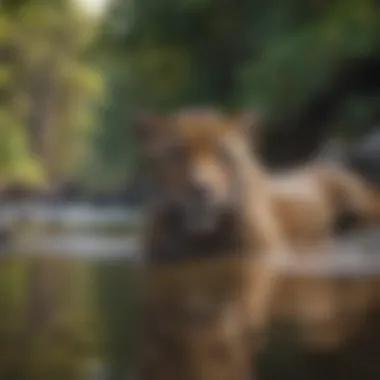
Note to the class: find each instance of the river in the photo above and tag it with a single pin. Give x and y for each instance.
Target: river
(69, 285)
(68, 290)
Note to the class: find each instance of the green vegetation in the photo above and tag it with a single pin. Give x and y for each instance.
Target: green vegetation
(49, 90)
(70, 84)
(309, 67)
(47, 322)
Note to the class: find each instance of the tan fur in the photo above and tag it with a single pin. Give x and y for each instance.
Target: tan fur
(222, 299)
(236, 294)
(309, 201)
(330, 310)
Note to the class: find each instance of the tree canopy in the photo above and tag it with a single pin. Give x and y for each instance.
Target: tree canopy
(49, 89)
(308, 67)
(68, 92)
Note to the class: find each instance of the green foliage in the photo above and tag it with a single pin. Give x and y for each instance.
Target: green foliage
(113, 154)
(118, 301)
(277, 56)
(299, 65)
(49, 89)
(16, 163)
(47, 321)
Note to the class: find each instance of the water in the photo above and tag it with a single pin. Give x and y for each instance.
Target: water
(69, 288)
(68, 291)
(77, 230)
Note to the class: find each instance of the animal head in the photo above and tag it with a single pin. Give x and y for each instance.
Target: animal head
(192, 166)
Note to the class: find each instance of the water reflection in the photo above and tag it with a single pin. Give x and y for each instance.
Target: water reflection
(64, 313)
(69, 296)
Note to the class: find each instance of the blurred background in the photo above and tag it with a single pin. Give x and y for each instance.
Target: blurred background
(72, 75)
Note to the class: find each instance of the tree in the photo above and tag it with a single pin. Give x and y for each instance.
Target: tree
(308, 67)
(50, 88)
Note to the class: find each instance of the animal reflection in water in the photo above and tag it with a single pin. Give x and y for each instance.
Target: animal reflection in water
(211, 234)
(216, 223)
(333, 313)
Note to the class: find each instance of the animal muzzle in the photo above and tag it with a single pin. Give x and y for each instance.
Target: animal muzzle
(200, 212)
(200, 220)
